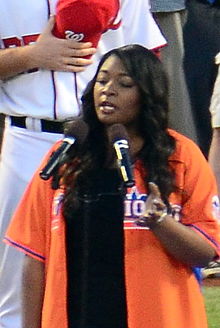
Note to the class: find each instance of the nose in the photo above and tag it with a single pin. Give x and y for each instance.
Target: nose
(109, 88)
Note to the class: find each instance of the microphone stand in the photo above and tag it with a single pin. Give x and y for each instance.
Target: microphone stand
(95, 255)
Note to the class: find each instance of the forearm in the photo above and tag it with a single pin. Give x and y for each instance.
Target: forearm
(32, 293)
(183, 243)
(14, 61)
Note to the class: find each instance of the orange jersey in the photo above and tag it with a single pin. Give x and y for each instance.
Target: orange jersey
(160, 291)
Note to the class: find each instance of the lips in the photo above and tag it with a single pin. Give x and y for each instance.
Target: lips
(107, 107)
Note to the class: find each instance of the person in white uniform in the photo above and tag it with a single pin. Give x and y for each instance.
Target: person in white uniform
(42, 79)
(171, 16)
(214, 151)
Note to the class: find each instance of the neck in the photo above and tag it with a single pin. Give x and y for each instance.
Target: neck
(136, 145)
(136, 142)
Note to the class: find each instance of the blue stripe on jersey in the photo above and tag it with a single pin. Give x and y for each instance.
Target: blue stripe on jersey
(23, 248)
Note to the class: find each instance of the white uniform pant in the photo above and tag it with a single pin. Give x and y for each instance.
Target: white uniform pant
(215, 103)
(22, 153)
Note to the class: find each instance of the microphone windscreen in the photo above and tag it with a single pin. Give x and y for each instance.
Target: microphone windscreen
(117, 132)
(77, 129)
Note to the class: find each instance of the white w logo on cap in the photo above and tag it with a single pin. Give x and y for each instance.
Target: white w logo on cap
(74, 36)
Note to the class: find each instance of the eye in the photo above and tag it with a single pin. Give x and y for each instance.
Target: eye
(102, 78)
(101, 81)
(126, 84)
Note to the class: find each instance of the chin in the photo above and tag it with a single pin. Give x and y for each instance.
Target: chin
(109, 120)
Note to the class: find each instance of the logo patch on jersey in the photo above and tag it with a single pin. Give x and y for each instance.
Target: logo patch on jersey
(134, 207)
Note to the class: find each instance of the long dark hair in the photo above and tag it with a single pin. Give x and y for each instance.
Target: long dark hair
(148, 73)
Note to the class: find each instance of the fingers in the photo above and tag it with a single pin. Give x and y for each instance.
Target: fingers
(157, 203)
(71, 44)
(75, 58)
(154, 189)
(142, 222)
(58, 54)
(76, 49)
(155, 210)
(151, 219)
(77, 61)
(75, 66)
(80, 45)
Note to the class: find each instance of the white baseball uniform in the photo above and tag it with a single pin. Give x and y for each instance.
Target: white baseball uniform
(47, 95)
(215, 100)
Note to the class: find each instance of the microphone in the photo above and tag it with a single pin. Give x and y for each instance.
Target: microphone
(119, 138)
(76, 133)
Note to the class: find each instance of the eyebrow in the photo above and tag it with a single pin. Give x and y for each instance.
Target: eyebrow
(107, 72)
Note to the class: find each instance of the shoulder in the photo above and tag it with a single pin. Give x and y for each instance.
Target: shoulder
(185, 147)
(189, 163)
(188, 159)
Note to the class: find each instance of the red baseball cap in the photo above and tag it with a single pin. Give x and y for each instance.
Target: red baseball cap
(85, 20)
